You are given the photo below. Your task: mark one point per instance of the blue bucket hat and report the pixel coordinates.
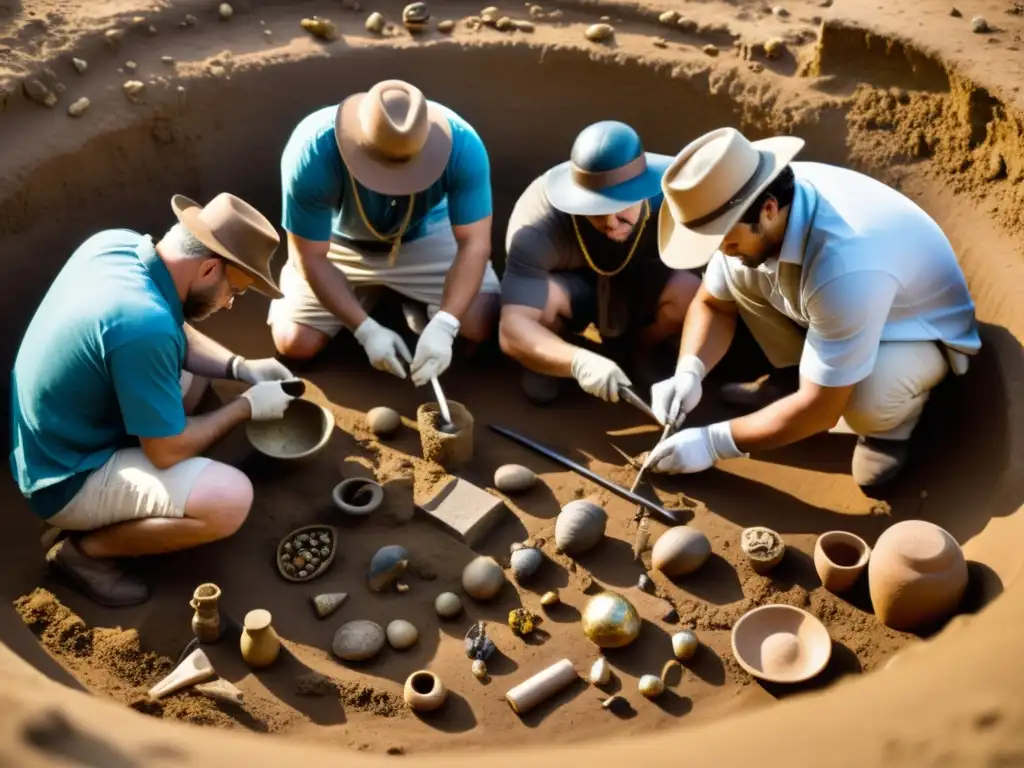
(608, 171)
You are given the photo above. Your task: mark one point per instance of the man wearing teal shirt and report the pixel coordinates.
(385, 191)
(104, 445)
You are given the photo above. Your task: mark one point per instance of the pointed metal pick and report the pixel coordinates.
(327, 603)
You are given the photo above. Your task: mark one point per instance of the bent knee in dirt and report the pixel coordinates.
(479, 322)
(221, 498)
(296, 341)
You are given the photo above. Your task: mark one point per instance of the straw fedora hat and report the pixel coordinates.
(392, 139)
(233, 229)
(607, 171)
(708, 187)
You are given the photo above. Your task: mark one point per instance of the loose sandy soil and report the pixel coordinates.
(947, 146)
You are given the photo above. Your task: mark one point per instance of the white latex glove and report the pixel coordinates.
(383, 346)
(694, 450)
(264, 369)
(434, 349)
(267, 400)
(674, 398)
(598, 376)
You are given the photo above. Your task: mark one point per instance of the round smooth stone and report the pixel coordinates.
(448, 605)
(514, 478)
(680, 550)
(383, 420)
(402, 634)
(358, 640)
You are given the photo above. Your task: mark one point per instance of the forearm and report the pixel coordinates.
(201, 432)
(707, 333)
(785, 421)
(539, 349)
(462, 284)
(205, 356)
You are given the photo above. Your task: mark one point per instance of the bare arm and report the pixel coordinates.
(808, 411)
(463, 281)
(199, 434)
(329, 284)
(205, 356)
(708, 328)
(524, 338)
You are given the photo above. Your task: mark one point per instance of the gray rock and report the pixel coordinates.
(358, 640)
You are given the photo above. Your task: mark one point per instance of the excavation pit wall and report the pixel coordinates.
(66, 179)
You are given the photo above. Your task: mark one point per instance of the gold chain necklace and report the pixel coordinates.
(396, 239)
(629, 256)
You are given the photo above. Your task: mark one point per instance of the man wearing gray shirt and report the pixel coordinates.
(835, 274)
(582, 249)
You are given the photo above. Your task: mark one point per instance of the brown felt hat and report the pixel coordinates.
(392, 139)
(708, 187)
(236, 231)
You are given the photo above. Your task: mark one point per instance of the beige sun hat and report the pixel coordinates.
(708, 187)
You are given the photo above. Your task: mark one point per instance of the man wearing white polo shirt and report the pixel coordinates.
(835, 274)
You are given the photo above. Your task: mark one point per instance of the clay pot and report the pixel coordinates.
(259, 643)
(206, 619)
(358, 496)
(424, 691)
(680, 550)
(451, 451)
(302, 432)
(580, 525)
(839, 559)
(917, 574)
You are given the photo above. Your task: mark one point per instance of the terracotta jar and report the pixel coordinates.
(424, 691)
(917, 574)
(839, 558)
(206, 619)
(260, 644)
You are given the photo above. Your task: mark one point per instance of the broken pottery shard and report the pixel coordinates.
(327, 603)
(221, 690)
(465, 510)
(194, 668)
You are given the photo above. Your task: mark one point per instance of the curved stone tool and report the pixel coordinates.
(672, 517)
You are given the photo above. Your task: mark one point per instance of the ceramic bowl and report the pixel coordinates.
(358, 496)
(839, 559)
(781, 644)
(294, 551)
(303, 431)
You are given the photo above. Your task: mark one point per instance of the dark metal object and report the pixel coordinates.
(669, 516)
(294, 387)
(633, 399)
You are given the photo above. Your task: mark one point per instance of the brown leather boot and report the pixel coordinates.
(100, 578)
(876, 461)
(762, 391)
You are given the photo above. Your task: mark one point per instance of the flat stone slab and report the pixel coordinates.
(465, 510)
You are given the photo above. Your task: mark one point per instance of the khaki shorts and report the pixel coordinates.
(419, 273)
(129, 487)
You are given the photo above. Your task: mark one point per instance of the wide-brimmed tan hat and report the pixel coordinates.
(233, 229)
(392, 139)
(708, 187)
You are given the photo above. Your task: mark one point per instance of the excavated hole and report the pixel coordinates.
(528, 108)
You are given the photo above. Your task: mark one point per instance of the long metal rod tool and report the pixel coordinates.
(669, 516)
(442, 401)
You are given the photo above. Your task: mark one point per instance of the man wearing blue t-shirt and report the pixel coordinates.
(103, 441)
(386, 190)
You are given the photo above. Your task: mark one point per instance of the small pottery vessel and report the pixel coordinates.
(357, 496)
(610, 620)
(514, 478)
(358, 640)
(525, 562)
(259, 643)
(303, 431)
(206, 619)
(307, 552)
(763, 547)
(839, 558)
(580, 525)
(781, 644)
(424, 691)
(680, 551)
(482, 578)
(387, 564)
(917, 574)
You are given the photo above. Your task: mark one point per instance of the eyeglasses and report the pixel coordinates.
(238, 280)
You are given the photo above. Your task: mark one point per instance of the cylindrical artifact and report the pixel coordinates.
(542, 686)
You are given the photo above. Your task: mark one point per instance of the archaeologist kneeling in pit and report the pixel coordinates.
(106, 377)
(582, 249)
(386, 191)
(831, 271)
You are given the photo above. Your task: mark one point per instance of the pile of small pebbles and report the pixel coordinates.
(304, 556)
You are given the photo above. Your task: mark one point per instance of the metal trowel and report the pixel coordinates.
(447, 425)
